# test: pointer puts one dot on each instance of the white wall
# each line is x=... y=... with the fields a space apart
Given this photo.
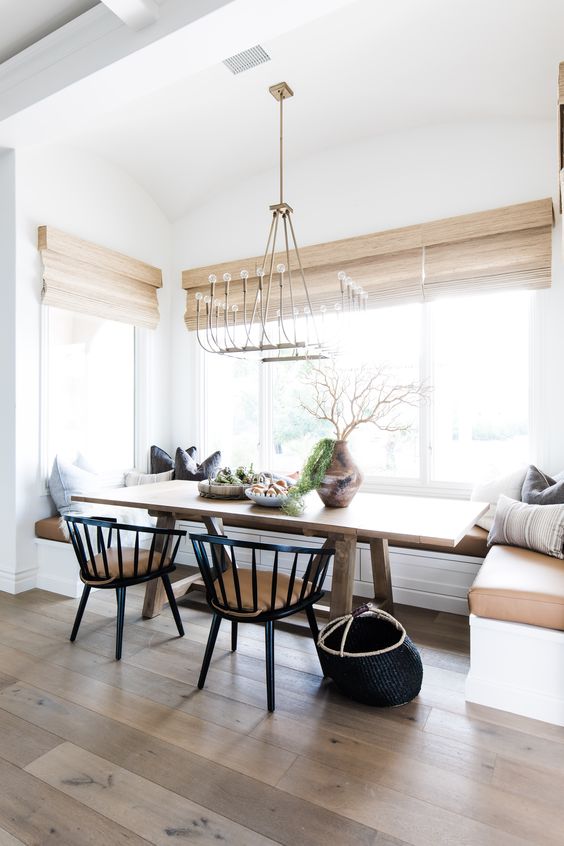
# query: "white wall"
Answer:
x=381 y=183
x=87 y=197
x=8 y=369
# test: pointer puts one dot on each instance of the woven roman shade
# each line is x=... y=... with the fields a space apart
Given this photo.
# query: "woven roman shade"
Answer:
x=85 y=277
x=503 y=249
x=387 y=265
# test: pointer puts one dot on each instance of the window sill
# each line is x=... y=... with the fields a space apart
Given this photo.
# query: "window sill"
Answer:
x=413 y=487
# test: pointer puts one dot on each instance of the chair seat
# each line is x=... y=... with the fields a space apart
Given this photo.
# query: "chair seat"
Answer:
x=264 y=592
x=128 y=559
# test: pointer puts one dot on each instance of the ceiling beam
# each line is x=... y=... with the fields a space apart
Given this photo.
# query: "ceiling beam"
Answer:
x=136 y=14
x=94 y=65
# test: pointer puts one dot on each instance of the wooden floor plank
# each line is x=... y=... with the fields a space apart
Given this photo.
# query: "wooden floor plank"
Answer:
x=290 y=820
x=411 y=820
x=39 y=815
x=322 y=769
x=523 y=816
x=503 y=741
x=137 y=804
x=546 y=786
x=206 y=739
x=20 y=742
x=7 y=839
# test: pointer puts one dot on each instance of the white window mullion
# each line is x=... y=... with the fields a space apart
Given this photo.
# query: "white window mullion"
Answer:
x=426 y=406
x=266 y=444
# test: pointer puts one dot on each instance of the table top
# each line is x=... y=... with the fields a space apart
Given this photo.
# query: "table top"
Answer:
x=415 y=519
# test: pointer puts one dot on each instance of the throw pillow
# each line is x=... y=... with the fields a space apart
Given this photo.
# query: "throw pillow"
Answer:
x=537 y=527
x=186 y=468
x=68 y=479
x=540 y=489
x=509 y=485
x=162 y=462
x=134 y=477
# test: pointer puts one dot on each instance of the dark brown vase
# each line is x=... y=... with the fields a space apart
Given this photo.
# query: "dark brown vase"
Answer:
x=342 y=479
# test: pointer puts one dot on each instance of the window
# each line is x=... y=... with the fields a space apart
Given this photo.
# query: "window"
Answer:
x=473 y=352
x=90 y=389
x=480 y=377
x=232 y=408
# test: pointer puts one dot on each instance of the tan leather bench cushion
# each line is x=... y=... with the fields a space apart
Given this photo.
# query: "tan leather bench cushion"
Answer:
x=50 y=529
x=520 y=586
x=264 y=591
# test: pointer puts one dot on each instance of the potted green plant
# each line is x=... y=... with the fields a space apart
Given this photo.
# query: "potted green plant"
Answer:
x=348 y=397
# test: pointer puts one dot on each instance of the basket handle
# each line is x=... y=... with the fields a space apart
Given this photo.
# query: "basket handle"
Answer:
x=367 y=608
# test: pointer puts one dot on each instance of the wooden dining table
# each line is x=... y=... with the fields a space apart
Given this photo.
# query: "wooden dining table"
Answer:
x=376 y=519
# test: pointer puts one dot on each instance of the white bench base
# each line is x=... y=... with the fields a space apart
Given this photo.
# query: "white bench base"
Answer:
x=57 y=570
x=517 y=668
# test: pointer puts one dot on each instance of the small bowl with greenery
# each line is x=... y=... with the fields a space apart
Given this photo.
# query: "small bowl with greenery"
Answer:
x=228 y=484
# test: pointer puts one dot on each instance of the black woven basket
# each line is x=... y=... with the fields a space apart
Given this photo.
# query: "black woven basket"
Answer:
x=370 y=658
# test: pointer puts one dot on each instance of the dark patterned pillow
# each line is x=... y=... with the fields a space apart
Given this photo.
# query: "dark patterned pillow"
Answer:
x=540 y=489
x=187 y=469
x=162 y=462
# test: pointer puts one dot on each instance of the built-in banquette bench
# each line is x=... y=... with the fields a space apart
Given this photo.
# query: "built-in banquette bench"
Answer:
x=425 y=575
x=517 y=634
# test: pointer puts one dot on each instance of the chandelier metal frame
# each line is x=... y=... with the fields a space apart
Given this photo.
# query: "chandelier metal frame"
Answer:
x=219 y=326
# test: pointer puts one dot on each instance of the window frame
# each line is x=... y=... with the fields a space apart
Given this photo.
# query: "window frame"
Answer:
x=424 y=485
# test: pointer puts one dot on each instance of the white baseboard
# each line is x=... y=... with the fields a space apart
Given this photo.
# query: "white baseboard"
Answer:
x=19 y=582
x=517 y=668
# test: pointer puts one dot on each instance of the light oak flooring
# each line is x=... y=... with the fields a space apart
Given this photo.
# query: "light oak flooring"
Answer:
x=98 y=752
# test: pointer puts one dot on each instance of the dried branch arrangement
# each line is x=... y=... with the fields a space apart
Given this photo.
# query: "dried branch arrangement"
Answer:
x=347 y=397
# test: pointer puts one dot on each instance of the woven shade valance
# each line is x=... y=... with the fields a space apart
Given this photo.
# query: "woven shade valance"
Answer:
x=91 y=279
x=506 y=248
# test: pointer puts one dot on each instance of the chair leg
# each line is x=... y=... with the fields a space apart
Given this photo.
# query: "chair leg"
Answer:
x=120 y=597
x=269 y=639
x=233 y=636
x=312 y=623
x=212 y=637
x=172 y=602
x=80 y=612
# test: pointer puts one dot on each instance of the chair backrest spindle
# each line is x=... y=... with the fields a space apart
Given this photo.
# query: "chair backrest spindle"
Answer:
x=248 y=590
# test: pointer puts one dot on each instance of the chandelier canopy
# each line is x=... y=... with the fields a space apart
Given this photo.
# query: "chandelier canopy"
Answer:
x=268 y=309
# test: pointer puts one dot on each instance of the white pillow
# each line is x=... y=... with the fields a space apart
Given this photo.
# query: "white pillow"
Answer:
x=134 y=477
x=70 y=479
x=490 y=491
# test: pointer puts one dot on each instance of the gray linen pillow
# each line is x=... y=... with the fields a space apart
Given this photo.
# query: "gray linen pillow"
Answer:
x=185 y=467
x=540 y=489
x=537 y=527
x=162 y=462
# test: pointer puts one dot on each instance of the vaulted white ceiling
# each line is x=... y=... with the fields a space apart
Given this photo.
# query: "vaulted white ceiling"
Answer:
x=369 y=68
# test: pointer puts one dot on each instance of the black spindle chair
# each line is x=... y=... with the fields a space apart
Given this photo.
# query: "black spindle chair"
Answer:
x=247 y=592
x=119 y=566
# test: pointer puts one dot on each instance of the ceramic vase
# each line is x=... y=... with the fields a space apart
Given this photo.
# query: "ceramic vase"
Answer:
x=342 y=479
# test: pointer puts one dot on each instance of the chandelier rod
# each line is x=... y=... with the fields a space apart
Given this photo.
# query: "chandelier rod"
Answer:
x=281 y=149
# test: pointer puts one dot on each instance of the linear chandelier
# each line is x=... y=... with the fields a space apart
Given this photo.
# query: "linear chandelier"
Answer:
x=265 y=317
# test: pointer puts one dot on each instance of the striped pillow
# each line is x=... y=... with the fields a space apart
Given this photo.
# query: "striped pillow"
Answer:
x=538 y=527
